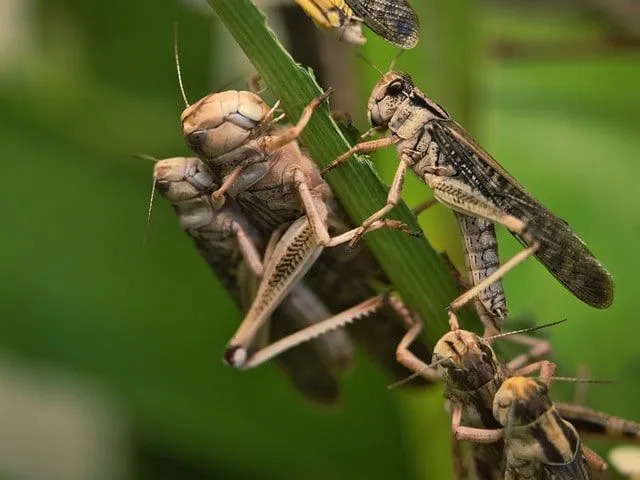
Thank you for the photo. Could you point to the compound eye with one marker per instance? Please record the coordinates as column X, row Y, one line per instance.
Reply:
column 395, row 88
column 196, row 140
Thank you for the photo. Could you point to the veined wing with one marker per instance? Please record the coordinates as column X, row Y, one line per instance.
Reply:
column 393, row 20
column 561, row 251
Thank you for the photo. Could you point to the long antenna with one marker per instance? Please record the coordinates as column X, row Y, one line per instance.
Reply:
column 416, row 374
column 144, row 156
column 177, row 57
column 524, row 330
column 368, row 62
column 148, row 226
column 395, row 59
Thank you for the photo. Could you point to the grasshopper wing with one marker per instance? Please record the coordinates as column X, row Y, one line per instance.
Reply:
column 393, row 20
column 561, row 251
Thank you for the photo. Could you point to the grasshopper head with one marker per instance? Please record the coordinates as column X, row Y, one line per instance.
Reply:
column 220, row 122
column 186, row 183
column 390, row 91
column 520, row 401
column 181, row 178
column 470, row 363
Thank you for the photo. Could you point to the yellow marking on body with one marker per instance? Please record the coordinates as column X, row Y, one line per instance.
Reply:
column 327, row 13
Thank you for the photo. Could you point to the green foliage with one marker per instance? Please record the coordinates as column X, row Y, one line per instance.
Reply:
column 148, row 324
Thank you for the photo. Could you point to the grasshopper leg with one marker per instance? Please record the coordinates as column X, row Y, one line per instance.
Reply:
column 459, row 197
column 239, row 358
column 409, row 360
column 362, row 147
column 274, row 142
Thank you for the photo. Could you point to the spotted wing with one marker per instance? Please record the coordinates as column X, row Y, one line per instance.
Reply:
column 394, row 20
column 561, row 251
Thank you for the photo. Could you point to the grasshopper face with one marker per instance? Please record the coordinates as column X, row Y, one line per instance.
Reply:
column 471, row 362
column 387, row 95
column 185, row 182
column 181, row 178
column 220, row 122
column 521, row 401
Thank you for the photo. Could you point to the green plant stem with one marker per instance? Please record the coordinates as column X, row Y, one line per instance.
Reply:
column 416, row 270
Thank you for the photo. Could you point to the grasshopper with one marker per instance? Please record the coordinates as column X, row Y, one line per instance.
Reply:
column 538, row 442
column 261, row 167
column 465, row 178
column 473, row 378
column 393, row 20
column 232, row 247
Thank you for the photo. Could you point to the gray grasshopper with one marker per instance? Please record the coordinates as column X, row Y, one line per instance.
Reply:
column 393, row 20
column 234, row 250
column 261, row 167
column 468, row 180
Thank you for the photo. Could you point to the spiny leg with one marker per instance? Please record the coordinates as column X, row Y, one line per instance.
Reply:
column 290, row 259
column 459, row 197
column 363, row 309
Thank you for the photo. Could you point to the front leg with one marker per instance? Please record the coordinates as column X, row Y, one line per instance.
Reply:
column 316, row 212
column 407, row 358
column 274, row 142
column 362, row 147
column 476, row 435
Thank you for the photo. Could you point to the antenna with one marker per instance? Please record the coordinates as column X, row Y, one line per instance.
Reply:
column 148, row 225
column 177, row 58
column 368, row 62
column 524, row 330
column 395, row 59
column 416, row 374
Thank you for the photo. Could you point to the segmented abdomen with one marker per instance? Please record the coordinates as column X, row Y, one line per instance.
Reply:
column 481, row 256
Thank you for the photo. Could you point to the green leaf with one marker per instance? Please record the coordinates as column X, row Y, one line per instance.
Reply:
column 417, row 271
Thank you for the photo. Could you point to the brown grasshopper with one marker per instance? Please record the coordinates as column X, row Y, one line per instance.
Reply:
column 234, row 250
column 261, row 167
column 473, row 376
column 393, row 20
column 468, row 180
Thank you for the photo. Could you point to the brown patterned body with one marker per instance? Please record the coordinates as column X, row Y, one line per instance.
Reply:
column 538, row 442
column 481, row 256
column 187, row 183
column 467, row 179
column 268, row 194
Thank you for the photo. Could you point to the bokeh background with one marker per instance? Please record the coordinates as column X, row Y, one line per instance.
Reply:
column 110, row 350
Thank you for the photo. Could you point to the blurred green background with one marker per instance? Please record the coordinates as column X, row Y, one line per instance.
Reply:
column 110, row 351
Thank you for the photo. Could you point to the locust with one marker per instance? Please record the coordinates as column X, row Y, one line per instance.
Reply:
column 473, row 377
column 465, row 178
column 539, row 443
column 234, row 250
column 262, row 169
column 393, row 20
